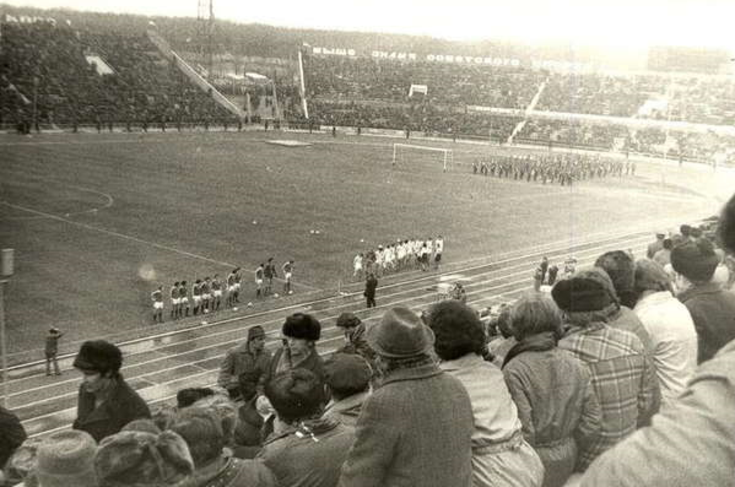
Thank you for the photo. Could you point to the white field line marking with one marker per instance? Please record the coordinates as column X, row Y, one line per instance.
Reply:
column 108, row 204
column 142, row 241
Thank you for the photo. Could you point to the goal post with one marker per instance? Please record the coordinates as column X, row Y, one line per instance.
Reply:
column 419, row 154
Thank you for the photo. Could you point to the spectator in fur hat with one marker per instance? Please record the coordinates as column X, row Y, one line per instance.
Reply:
column 624, row 378
column 21, row 466
column 309, row 448
column 202, row 429
column 711, row 307
column 670, row 326
column 140, row 459
column 12, row 435
column 500, row 454
column 300, row 333
column 416, row 428
column 66, row 458
column 699, row 425
column 348, row 379
column 552, row 390
column 106, row 402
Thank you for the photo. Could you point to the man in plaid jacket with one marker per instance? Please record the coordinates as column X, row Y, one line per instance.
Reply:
column 623, row 377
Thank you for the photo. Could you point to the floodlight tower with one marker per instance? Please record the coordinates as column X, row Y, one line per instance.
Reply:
column 205, row 18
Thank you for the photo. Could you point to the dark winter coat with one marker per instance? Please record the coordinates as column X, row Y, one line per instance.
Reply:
column 713, row 313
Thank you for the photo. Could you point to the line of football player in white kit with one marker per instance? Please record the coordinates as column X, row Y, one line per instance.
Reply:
column 405, row 254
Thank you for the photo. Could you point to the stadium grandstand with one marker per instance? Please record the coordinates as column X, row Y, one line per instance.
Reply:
column 240, row 254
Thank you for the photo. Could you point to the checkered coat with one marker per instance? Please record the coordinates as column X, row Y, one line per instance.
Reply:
column 623, row 379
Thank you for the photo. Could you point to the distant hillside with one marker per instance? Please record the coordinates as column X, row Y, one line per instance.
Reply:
column 269, row 41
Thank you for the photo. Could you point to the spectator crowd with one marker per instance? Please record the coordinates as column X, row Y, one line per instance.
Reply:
column 612, row 377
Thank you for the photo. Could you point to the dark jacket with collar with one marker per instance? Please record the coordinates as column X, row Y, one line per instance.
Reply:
column 713, row 313
column 415, row 430
column 122, row 406
column 313, row 362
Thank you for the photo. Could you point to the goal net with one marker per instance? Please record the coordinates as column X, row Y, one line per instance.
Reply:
column 407, row 155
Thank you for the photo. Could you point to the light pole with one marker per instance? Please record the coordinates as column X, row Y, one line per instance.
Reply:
column 6, row 271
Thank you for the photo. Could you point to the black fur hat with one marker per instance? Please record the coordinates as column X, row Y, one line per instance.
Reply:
column 302, row 325
column 99, row 356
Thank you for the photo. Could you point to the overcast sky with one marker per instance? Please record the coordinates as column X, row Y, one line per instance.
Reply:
column 622, row 23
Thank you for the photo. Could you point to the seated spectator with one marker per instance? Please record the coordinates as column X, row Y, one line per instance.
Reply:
column 500, row 346
column 139, row 459
column 670, row 326
column 106, row 402
column 21, row 466
column 623, row 378
column 699, row 425
column 712, row 308
column 354, row 331
column 416, row 429
column 721, row 277
column 552, row 390
column 202, row 429
column 12, row 435
column 348, row 379
column 311, row 448
column 663, row 256
column 500, row 454
column 66, row 458
column 301, row 331
column 248, row 432
column 655, row 246
column 187, row 397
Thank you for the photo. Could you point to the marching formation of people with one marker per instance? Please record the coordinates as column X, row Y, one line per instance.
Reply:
column 405, row 254
column 206, row 295
column 556, row 168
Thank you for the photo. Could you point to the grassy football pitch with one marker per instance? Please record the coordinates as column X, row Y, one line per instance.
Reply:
column 98, row 221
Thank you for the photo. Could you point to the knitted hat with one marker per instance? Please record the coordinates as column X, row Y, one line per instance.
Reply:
column 695, row 260
column 67, row 458
column 302, row 325
column 137, row 458
column 586, row 290
column 400, row 334
column 99, row 356
column 256, row 331
column 347, row 320
column 296, row 394
column 347, row 372
column 650, row 276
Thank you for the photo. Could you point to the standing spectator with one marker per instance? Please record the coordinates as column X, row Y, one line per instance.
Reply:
column 670, row 326
column 712, row 308
column 348, row 379
column 552, row 390
column 251, row 358
column 142, row 459
column 66, row 458
column 354, row 332
column 500, row 454
column 663, row 256
column 655, row 246
column 51, row 350
column 311, row 448
column 12, row 435
column 371, row 284
column 106, row 402
column 416, row 429
column 623, row 378
column 301, row 331
column 701, row 422
column 202, row 430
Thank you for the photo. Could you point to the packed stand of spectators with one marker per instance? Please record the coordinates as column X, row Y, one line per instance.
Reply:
column 699, row 99
column 600, row 94
column 615, row 375
column 447, row 84
column 574, row 133
column 144, row 89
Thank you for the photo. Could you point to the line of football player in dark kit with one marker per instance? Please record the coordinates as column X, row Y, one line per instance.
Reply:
column 206, row 295
column 557, row 168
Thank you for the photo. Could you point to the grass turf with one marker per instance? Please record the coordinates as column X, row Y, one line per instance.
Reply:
column 98, row 221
